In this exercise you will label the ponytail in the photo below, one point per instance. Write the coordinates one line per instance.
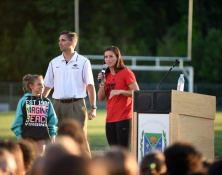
(26, 79)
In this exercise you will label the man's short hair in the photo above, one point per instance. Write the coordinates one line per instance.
(71, 36)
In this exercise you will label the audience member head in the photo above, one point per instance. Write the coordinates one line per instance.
(69, 165)
(120, 162)
(153, 164)
(15, 150)
(72, 128)
(64, 145)
(206, 164)
(215, 168)
(98, 166)
(37, 167)
(7, 162)
(29, 152)
(182, 158)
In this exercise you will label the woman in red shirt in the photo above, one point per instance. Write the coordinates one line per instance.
(117, 85)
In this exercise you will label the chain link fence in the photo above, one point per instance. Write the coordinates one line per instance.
(10, 93)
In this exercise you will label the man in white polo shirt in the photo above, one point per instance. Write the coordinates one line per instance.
(70, 74)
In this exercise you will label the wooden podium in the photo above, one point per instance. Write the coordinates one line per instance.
(191, 118)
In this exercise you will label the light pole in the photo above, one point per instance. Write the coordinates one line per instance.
(76, 9)
(190, 21)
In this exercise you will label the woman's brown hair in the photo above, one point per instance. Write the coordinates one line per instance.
(119, 63)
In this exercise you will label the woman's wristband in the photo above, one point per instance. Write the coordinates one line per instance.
(101, 86)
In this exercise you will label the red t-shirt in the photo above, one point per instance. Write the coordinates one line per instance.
(119, 107)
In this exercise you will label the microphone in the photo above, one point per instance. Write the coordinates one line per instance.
(175, 62)
(103, 72)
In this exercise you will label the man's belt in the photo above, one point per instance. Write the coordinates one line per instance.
(69, 100)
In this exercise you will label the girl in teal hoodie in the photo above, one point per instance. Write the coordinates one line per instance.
(35, 117)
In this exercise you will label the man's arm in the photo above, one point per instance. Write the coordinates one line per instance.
(92, 100)
(46, 92)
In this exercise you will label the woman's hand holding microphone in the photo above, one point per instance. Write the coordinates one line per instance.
(102, 79)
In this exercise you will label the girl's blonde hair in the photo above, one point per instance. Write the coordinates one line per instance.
(29, 79)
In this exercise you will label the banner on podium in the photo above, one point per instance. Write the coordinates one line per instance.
(153, 133)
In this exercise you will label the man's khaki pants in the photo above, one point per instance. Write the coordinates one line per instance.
(75, 110)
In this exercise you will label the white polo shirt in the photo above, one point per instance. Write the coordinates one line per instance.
(69, 80)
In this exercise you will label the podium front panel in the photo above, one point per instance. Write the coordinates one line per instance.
(153, 133)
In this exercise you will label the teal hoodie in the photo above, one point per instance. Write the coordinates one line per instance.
(35, 118)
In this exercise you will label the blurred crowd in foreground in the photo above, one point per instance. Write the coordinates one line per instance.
(68, 156)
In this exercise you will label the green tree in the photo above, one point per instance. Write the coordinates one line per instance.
(29, 55)
(105, 23)
(141, 27)
(170, 46)
(6, 47)
(207, 57)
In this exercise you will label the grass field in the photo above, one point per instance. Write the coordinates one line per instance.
(96, 130)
